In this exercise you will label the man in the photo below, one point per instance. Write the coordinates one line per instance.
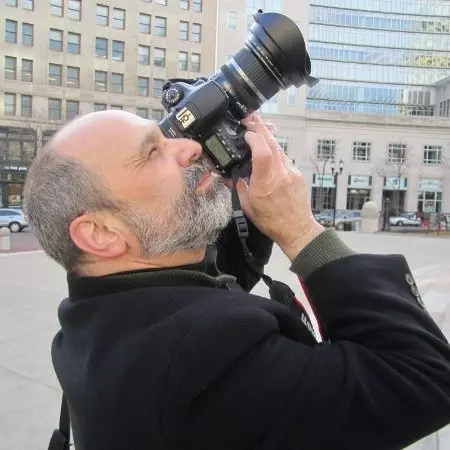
(158, 349)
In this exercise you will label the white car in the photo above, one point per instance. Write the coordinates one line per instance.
(14, 219)
(409, 220)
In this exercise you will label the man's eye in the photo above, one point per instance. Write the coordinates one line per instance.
(151, 152)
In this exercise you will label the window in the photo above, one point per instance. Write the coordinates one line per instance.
(326, 150)
(10, 104)
(196, 32)
(182, 61)
(271, 106)
(158, 114)
(292, 96)
(284, 143)
(157, 87)
(144, 55)
(197, 5)
(10, 68)
(102, 17)
(184, 4)
(144, 23)
(56, 40)
(55, 74)
(101, 79)
(361, 151)
(432, 154)
(101, 48)
(74, 43)
(397, 153)
(73, 77)
(74, 9)
(28, 4)
(142, 112)
(118, 50)
(117, 83)
(27, 34)
(27, 70)
(11, 3)
(430, 202)
(54, 109)
(11, 31)
(56, 8)
(160, 26)
(72, 109)
(232, 20)
(159, 57)
(195, 62)
(118, 18)
(183, 32)
(26, 106)
(99, 107)
(161, 2)
(143, 83)
(117, 107)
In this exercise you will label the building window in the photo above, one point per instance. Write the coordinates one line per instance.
(326, 150)
(11, 31)
(361, 151)
(196, 32)
(28, 4)
(27, 70)
(11, 3)
(72, 109)
(73, 77)
(284, 144)
(116, 107)
(55, 74)
(56, 8)
(397, 153)
(159, 57)
(118, 50)
(157, 114)
(197, 5)
(195, 62)
(432, 154)
(54, 109)
(102, 17)
(101, 80)
(271, 106)
(99, 107)
(26, 106)
(101, 48)
(160, 26)
(430, 202)
(183, 32)
(118, 18)
(56, 40)
(184, 4)
(74, 9)
(27, 34)
(143, 83)
(144, 23)
(117, 83)
(10, 104)
(74, 43)
(232, 20)
(142, 112)
(182, 61)
(161, 2)
(292, 96)
(144, 55)
(157, 87)
(10, 68)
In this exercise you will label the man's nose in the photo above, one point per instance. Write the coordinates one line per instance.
(189, 151)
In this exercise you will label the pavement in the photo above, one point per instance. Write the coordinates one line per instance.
(32, 286)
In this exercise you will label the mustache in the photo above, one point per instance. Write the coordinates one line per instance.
(196, 171)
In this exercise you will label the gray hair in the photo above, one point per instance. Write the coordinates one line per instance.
(57, 190)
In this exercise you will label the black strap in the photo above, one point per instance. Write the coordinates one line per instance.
(60, 439)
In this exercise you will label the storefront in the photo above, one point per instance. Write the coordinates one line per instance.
(322, 195)
(359, 191)
(430, 195)
(394, 191)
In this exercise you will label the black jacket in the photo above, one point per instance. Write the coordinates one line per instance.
(178, 360)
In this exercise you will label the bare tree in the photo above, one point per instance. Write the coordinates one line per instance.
(320, 168)
(42, 125)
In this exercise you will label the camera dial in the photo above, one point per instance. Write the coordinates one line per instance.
(173, 96)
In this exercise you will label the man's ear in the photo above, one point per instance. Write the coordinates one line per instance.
(98, 235)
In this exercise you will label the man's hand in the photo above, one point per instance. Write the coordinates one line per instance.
(275, 198)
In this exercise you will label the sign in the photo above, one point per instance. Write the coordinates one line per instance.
(431, 185)
(360, 181)
(326, 180)
(395, 183)
(11, 168)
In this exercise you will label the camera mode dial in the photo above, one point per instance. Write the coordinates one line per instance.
(173, 96)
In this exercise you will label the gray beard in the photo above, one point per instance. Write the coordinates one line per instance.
(194, 221)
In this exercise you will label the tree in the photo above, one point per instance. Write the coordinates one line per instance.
(42, 126)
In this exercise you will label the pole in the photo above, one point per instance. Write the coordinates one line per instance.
(335, 198)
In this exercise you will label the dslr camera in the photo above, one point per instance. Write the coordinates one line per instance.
(210, 111)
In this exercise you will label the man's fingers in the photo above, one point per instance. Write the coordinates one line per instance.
(262, 159)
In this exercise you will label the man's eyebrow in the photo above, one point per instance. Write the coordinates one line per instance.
(151, 138)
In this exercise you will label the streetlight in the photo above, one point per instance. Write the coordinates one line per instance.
(336, 173)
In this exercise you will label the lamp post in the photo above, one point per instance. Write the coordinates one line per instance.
(336, 173)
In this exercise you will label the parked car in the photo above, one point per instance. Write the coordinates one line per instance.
(12, 218)
(342, 218)
(408, 219)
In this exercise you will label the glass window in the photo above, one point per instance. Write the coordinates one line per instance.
(161, 2)
(197, 5)
(54, 109)
(28, 4)
(144, 55)
(56, 40)
(159, 57)
(118, 18)
(284, 143)
(195, 62)
(11, 31)
(26, 106)
(99, 107)
(73, 77)
(182, 61)
(11, 3)
(292, 96)
(144, 23)
(232, 20)
(157, 114)
(118, 50)
(101, 48)
(143, 83)
(325, 150)
(10, 68)
(55, 74)
(142, 112)
(27, 34)
(184, 4)
(117, 83)
(432, 154)
(160, 26)
(157, 87)
(196, 32)
(362, 151)
(10, 104)
(27, 70)
(397, 153)
(74, 9)
(117, 107)
(183, 32)
(72, 109)
(102, 17)
(101, 79)
(74, 43)
(56, 8)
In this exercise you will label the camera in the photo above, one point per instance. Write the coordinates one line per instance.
(210, 111)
